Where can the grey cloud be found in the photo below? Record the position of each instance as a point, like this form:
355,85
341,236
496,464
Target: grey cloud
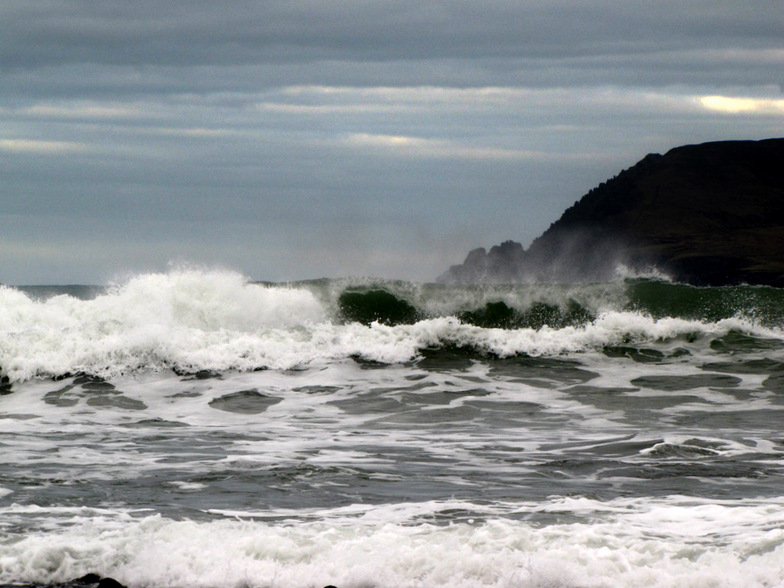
702,70
148,32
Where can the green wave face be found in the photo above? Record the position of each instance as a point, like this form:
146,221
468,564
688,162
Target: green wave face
556,306
382,307
375,306
761,304
504,306
537,316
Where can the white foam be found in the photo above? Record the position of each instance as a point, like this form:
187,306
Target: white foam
187,486
192,319
664,542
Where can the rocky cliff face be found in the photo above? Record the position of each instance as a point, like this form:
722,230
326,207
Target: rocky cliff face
709,214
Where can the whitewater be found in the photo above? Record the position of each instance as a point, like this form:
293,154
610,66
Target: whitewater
194,428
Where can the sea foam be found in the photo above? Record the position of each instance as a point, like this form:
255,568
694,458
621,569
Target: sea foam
696,543
188,319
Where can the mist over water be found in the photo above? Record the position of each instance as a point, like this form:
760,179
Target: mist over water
193,428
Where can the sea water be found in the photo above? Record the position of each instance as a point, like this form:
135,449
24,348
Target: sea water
196,429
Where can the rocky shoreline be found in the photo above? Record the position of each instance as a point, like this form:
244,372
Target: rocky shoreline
709,214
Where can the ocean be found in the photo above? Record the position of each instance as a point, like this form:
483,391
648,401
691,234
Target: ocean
195,429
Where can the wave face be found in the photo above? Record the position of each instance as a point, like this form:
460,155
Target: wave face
196,429
190,321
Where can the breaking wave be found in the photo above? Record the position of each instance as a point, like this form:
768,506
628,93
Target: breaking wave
189,321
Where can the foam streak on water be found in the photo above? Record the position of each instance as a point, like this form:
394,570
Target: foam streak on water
194,429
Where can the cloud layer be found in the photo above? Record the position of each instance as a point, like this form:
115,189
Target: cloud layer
300,139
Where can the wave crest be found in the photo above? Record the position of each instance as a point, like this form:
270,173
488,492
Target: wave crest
180,319
193,320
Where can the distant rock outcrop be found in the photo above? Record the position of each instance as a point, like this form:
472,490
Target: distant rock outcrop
709,214
503,263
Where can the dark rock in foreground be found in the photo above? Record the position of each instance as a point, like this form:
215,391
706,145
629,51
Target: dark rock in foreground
86,581
709,214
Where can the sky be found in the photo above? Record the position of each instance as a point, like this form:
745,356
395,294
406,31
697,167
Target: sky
300,139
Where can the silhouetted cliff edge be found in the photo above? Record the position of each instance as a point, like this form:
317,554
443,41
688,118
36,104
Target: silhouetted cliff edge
709,214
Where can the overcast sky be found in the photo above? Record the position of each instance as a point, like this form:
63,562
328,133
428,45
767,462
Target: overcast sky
298,139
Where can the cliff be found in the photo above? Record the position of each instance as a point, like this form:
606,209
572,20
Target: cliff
709,214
